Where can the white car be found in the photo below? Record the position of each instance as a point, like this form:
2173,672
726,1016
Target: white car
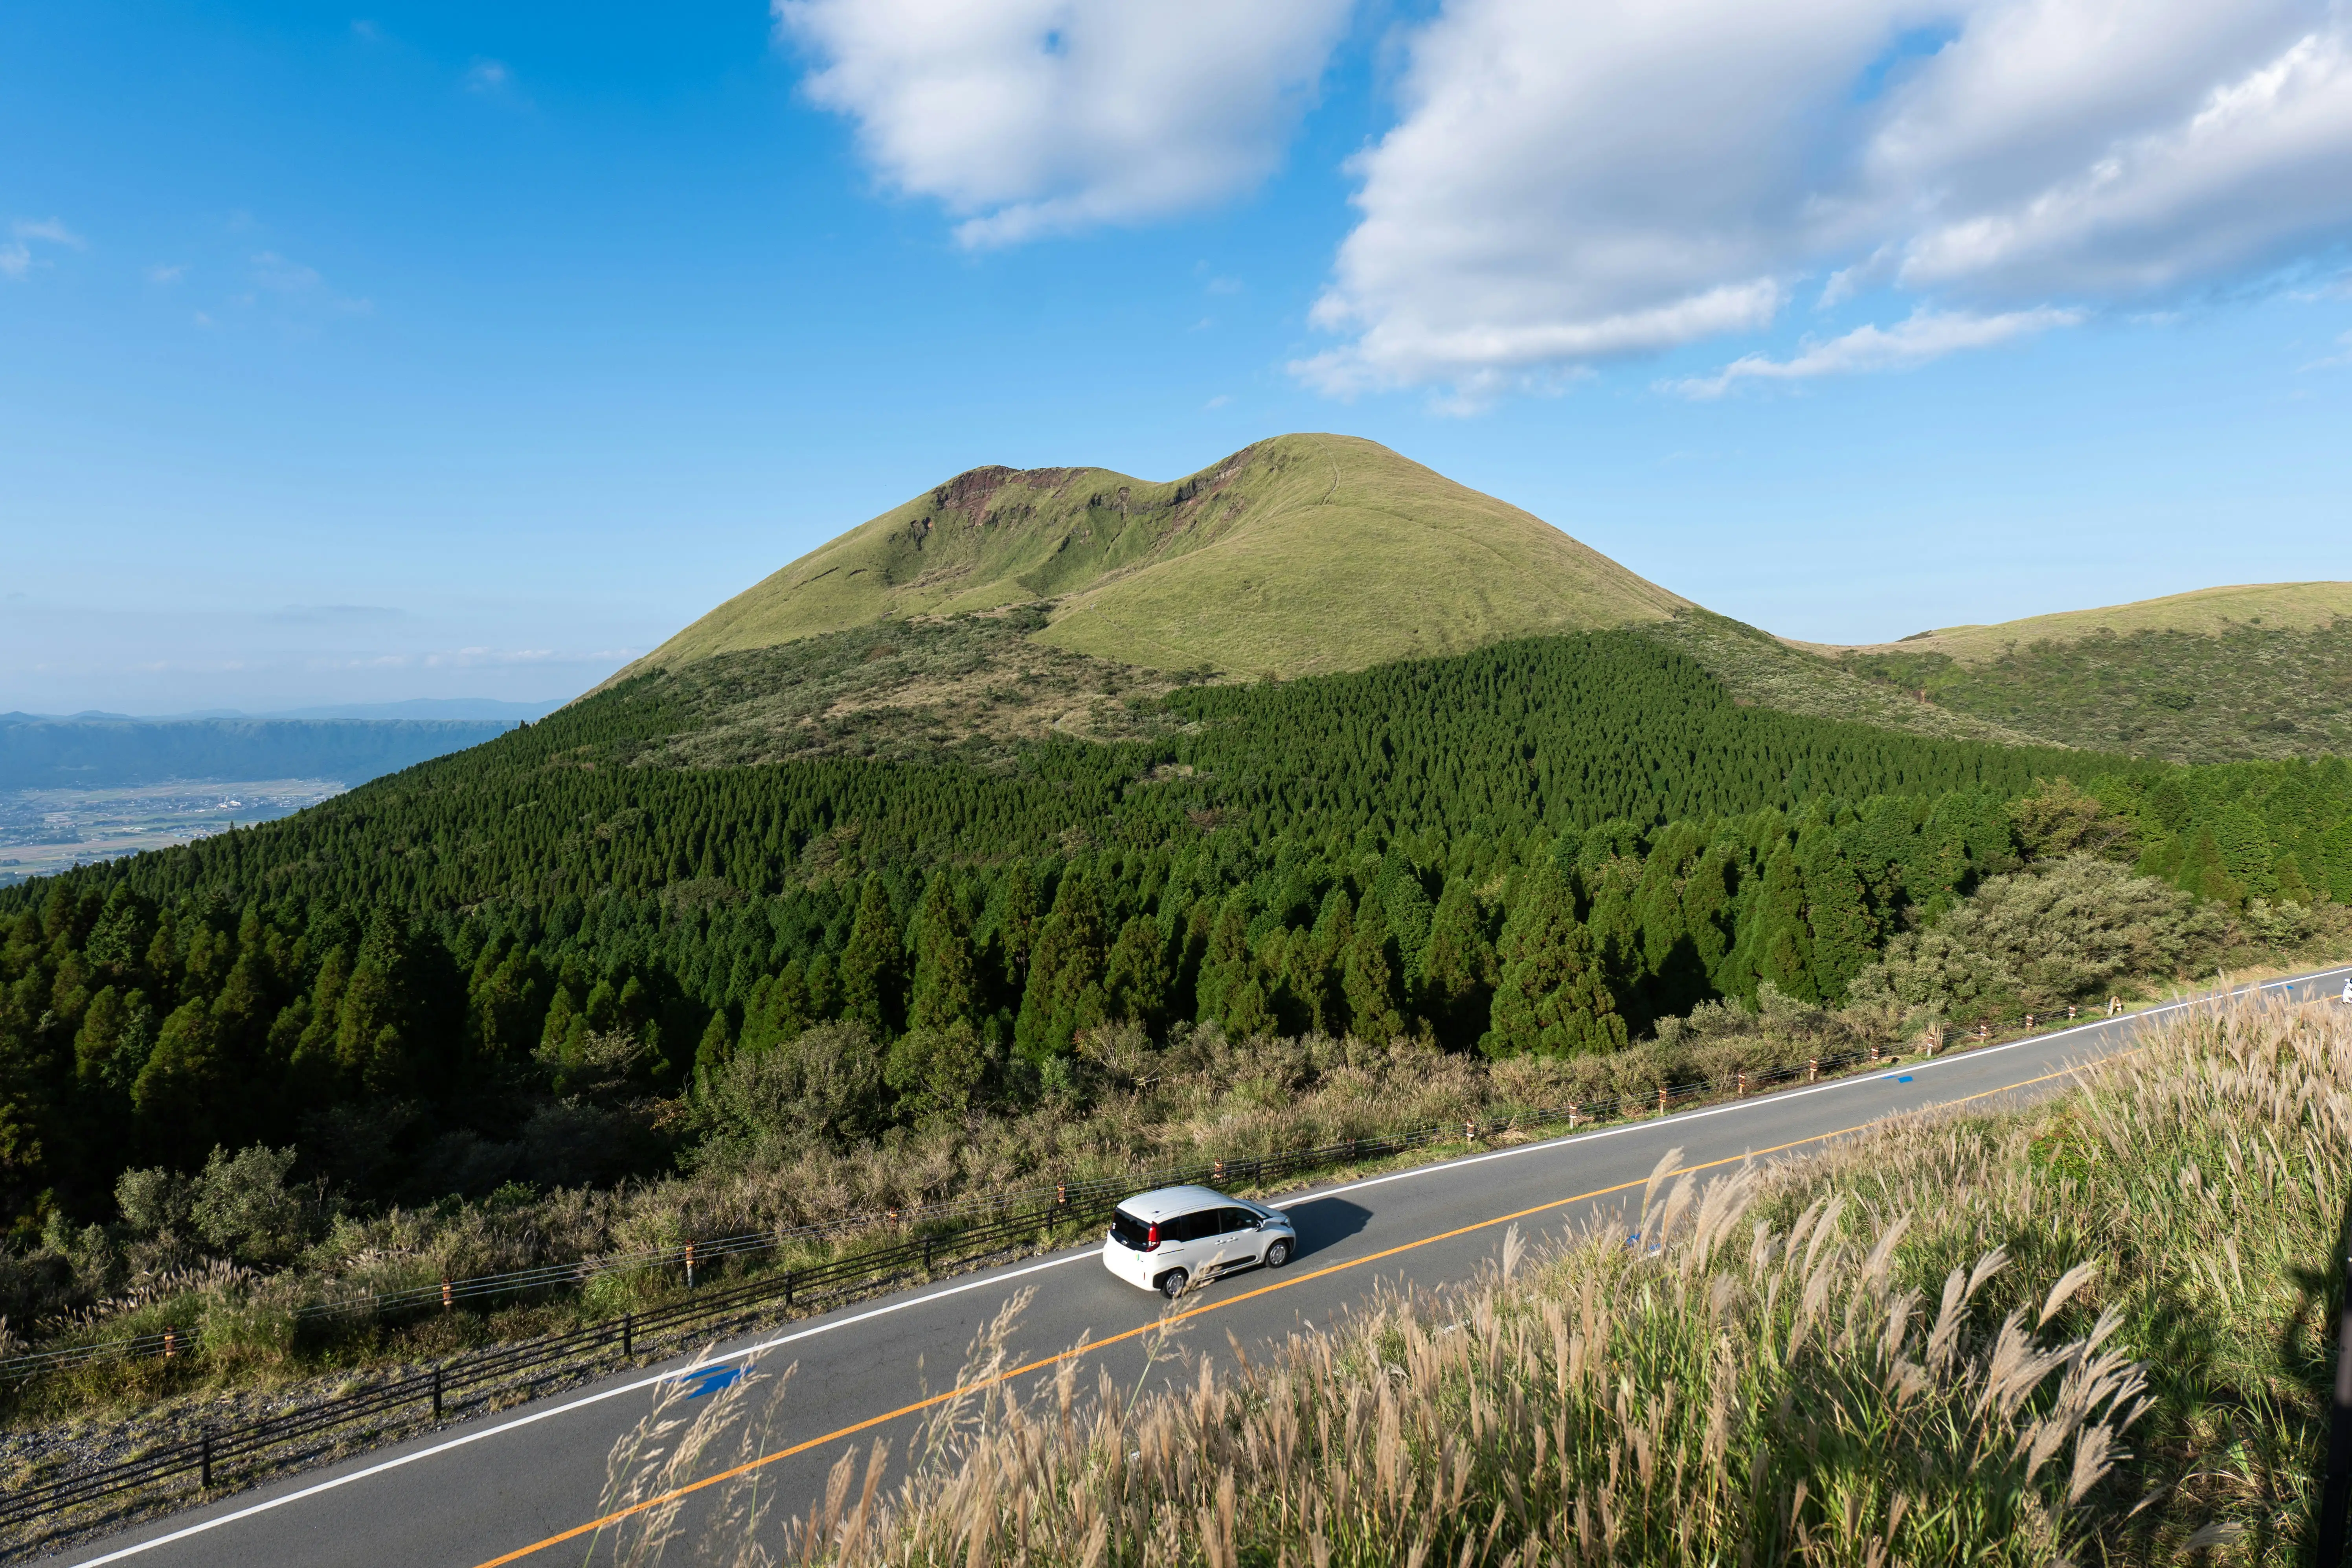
1166,1238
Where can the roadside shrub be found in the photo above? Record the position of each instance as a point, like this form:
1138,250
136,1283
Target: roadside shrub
155,1200
823,1086
2039,939
242,1205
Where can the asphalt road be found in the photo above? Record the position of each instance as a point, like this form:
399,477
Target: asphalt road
525,1486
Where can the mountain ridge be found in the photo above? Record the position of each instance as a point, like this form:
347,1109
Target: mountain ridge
1298,554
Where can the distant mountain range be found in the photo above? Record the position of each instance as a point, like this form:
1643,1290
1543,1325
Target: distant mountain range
416,708
102,752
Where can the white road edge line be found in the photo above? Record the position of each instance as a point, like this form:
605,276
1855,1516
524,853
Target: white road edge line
985,1281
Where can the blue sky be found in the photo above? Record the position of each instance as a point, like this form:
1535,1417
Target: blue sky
422,351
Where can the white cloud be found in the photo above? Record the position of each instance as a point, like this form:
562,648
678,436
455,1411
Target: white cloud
1567,183
50,230
1034,117
17,257
165,272
2335,360
298,287
1926,335
486,75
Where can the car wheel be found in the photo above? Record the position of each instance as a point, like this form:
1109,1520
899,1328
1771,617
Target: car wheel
1171,1284
1277,1254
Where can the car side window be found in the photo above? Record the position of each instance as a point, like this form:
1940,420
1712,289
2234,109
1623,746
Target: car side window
1193,1226
1232,1220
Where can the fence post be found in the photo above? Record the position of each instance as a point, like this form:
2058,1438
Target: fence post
445,1296
2028,1023
628,1335
689,1258
1662,1099
1740,1084
1873,1050
171,1342
204,1461
1061,1194
1814,1070
436,1393
2336,1490
927,1255
788,1290
1217,1173
1469,1132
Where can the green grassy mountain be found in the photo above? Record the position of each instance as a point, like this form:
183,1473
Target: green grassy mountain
1299,555
2219,675
2213,612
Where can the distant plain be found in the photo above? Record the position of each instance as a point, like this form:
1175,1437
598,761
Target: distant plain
47,831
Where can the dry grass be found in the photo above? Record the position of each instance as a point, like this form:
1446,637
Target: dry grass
2091,1332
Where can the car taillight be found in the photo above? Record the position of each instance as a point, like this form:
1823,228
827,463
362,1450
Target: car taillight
1151,1238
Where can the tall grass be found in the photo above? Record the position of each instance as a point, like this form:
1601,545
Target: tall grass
2093,1331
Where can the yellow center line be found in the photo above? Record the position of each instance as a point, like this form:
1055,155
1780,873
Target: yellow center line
1286,1283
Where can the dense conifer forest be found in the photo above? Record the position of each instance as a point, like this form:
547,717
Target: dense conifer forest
516,963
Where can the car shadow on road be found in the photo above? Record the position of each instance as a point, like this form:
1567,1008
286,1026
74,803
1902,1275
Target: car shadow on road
1323,1221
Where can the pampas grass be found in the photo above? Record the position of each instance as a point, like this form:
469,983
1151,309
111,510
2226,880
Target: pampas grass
2095,1330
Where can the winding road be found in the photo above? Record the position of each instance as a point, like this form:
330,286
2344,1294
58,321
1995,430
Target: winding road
525,1484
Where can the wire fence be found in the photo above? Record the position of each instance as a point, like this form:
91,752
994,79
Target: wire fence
974,1228
688,1256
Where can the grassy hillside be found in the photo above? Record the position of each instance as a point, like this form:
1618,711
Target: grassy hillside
2221,674
2190,697
1760,671
1298,555
2266,606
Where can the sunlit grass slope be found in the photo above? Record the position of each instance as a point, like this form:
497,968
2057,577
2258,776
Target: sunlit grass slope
2266,606
1298,555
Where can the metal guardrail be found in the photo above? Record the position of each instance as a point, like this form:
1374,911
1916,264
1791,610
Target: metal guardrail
213,1453
688,1256
243,1453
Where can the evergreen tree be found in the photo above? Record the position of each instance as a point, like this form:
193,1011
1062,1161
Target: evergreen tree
1136,981
1552,998
1783,943
1458,974
1709,916
372,1043
872,962
1406,903
1247,1009
1065,993
1370,978
947,978
1227,963
1016,926
176,1092
1843,936
715,1046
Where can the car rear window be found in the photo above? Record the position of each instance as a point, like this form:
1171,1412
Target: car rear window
1128,1230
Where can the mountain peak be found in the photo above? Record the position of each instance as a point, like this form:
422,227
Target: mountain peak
1299,555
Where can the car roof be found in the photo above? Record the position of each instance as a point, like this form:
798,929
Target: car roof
1161,1203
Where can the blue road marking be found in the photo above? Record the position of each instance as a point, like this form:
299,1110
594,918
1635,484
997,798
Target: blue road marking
710,1380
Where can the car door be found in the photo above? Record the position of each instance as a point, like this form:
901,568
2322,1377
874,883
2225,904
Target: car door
1190,1242
1237,1238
